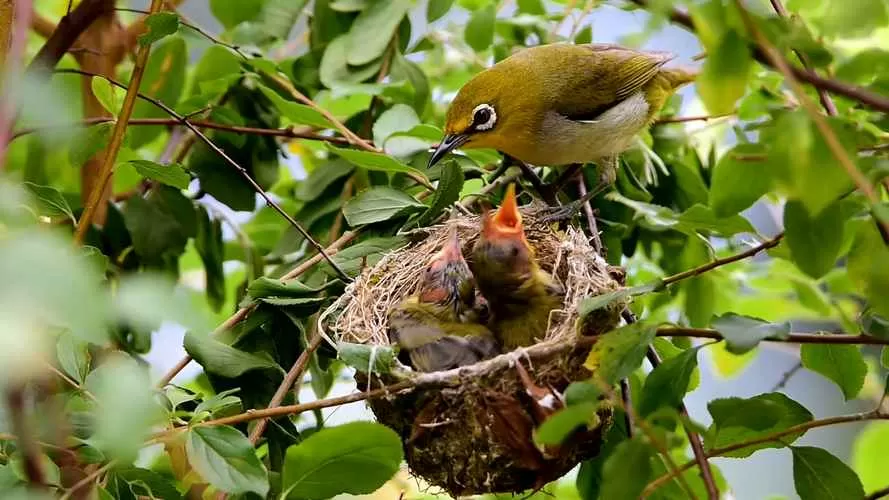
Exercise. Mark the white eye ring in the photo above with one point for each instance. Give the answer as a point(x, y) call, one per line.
point(488, 125)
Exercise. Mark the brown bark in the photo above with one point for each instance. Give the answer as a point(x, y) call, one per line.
point(7, 10)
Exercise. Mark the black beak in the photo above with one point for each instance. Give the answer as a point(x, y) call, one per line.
point(448, 143)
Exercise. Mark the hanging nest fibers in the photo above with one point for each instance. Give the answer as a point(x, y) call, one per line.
point(469, 430)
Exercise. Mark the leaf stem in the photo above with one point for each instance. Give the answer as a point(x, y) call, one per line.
point(117, 136)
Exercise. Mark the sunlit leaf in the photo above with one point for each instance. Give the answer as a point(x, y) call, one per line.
point(819, 475)
point(743, 333)
point(226, 459)
point(843, 364)
point(373, 29)
point(159, 25)
point(734, 424)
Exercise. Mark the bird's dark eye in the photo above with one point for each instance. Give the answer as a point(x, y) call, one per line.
point(482, 116)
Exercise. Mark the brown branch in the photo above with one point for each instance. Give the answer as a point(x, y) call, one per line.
point(241, 170)
point(723, 261)
point(94, 476)
point(793, 338)
point(830, 138)
point(293, 377)
point(826, 102)
point(20, 12)
point(288, 132)
point(854, 92)
point(881, 493)
point(69, 29)
point(772, 437)
point(137, 28)
point(42, 26)
point(31, 456)
point(116, 141)
point(693, 438)
point(243, 312)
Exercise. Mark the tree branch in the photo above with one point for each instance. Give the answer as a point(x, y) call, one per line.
point(768, 438)
point(723, 261)
point(246, 175)
point(793, 338)
point(31, 456)
point(288, 132)
point(20, 12)
point(854, 92)
point(881, 493)
point(70, 27)
point(42, 26)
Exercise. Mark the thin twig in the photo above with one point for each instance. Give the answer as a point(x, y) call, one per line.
point(854, 92)
point(31, 456)
point(786, 377)
point(94, 476)
point(11, 84)
point(293, 376)
point(697, 118)
point(288, 132)
point(768, 438)
point(726, 260)
point(792, 338)
point(881, 493)
point(116, 140)
point(42, 26)
point(243, 312)
point(246, 175)
point(70, 27)
point(693, 438)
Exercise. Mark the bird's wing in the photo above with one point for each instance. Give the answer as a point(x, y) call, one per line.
point(609, 75)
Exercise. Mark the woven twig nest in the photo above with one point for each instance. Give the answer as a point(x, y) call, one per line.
point(469, 430)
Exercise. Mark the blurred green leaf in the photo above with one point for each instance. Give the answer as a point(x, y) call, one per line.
point(89, 142)
point(109, 96)
point(479, 33)
point(295, 113)
point(867, 267)
point(373, 29)
point(585, 35)
point(279, 16)
point(737, 182)
point(534, 7)
point(869, 455)
point(335, 69)
point(398, 118)
point(743, 333)
point(149, 483)
point(436, 9)
point(233, 12)
point(226, 459)
point(159, 25)
point(50, 201)
point(374, 161)
point(813, 241)
point(224, 360)
point(164, 79)
point(627, 471)
point(591, 304)
point(209, 245)
point(172, 174)
point(734, 421)
point(369, 454)
point(450, 184)
point(723, 78)
point(819, 475)
point(323, 177)
point(368, 252)
point(367, 358)
point(667, 384)
point(868, 15)
point(560, 425)
point(147, 300)
point(74, 356)
point(619, 352)
point(843, 364)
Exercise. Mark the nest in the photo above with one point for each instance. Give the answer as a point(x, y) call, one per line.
point(469, 430)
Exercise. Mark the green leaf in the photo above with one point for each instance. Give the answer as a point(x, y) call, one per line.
point(735, 421)
point(149, 483)
point(172, 174)
point(446, 194)
point(168, 303)
point(295, 113)
point(738, 182)
point(436, 9)
point(220, 405)
point(323, 177)
point(868, 15)
point(619, 352)
point(51, 202)
point(378, 204)
point(224, 360)
point(743, 333)
point(479, 33)
point(534, 7)
point(209, 245)
point(697, 218)
point(723, 78)
point(867, 267)
point(159, 25)
point(843, 364)
point(869, 455)
point(265, 287)
point(349, 5)
point(373, 29)
point(90, 142)
point(558, 426)
point(374, 161)
point(819, 475)
point(367, 358)
point(398, 118)
point(110, 97)
point(157, 228)
point(233, 12)
point(335, 70)
point(164, 80)
point(813, 241)
point(591, 304)
point(884, 357)
point(667, 384)
point(584, 36)
point(74, 356)
point(368, 252)
point(279, 16)
point(366, 453)
point(226, 459)
point(627, 471)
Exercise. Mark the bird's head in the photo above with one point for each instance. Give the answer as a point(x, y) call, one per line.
point(447, 278)
point(502, 241)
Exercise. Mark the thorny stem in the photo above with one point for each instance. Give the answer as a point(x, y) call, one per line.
point(246, 175)
point(117, 136)
point(769, 438)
